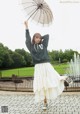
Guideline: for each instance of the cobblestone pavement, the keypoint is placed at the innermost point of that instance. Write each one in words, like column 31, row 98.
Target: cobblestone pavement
column 23, row 103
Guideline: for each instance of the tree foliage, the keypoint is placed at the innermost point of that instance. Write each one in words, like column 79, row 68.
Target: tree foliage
column 21, row 58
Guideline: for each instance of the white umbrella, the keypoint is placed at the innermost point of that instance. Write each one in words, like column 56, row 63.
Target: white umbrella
column 38, row 10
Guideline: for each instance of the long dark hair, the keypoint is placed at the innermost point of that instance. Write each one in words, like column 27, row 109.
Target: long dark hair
column 36, row 34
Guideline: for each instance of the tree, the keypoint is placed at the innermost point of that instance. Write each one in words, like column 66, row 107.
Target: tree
column 5, row 59
column 68, row 54
column 21, row 58
column 18, row 60
column 26, row 55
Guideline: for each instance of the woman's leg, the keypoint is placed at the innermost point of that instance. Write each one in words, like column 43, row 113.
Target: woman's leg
column 45, row 100
column 45, row 104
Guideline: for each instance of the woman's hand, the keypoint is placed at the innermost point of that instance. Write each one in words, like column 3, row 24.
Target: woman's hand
column 26, row 24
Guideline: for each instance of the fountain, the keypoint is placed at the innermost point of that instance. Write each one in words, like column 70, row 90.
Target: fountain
column 74, row 68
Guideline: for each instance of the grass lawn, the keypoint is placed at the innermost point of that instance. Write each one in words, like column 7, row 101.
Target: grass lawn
column 61, row 68
column 29, row 71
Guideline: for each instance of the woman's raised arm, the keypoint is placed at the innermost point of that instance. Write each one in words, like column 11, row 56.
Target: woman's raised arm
column 28, row 38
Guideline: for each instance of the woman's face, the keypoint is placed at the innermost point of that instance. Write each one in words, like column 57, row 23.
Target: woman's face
column 37, row 39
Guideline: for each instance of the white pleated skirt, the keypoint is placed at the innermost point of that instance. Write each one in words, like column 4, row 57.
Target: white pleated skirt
column 47, row 82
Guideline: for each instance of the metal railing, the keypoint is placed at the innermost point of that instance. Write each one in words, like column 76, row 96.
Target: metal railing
column 74, row 86
column 16, row 83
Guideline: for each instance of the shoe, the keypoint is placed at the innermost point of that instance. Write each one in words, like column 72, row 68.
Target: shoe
column 45, row 106
column 66, row 83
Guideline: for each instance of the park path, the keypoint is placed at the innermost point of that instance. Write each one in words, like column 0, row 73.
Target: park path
column 23, row 103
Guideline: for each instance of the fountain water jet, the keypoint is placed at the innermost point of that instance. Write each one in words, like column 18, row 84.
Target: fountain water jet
column 74, row 68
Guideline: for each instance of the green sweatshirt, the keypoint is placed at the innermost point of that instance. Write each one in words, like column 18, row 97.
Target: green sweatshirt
column 38, row 52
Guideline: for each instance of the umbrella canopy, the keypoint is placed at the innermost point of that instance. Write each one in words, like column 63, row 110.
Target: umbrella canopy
column 38, row 10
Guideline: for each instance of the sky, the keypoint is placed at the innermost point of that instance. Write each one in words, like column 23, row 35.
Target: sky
column 64, row 31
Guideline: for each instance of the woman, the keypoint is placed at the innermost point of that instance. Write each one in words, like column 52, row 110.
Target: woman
column 47, row 84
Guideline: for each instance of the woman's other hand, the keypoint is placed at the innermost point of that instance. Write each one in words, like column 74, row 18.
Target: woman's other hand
column 26, row 24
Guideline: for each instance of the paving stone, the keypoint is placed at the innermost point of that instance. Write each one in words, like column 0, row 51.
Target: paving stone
column 24, row 104
column 62, row 112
